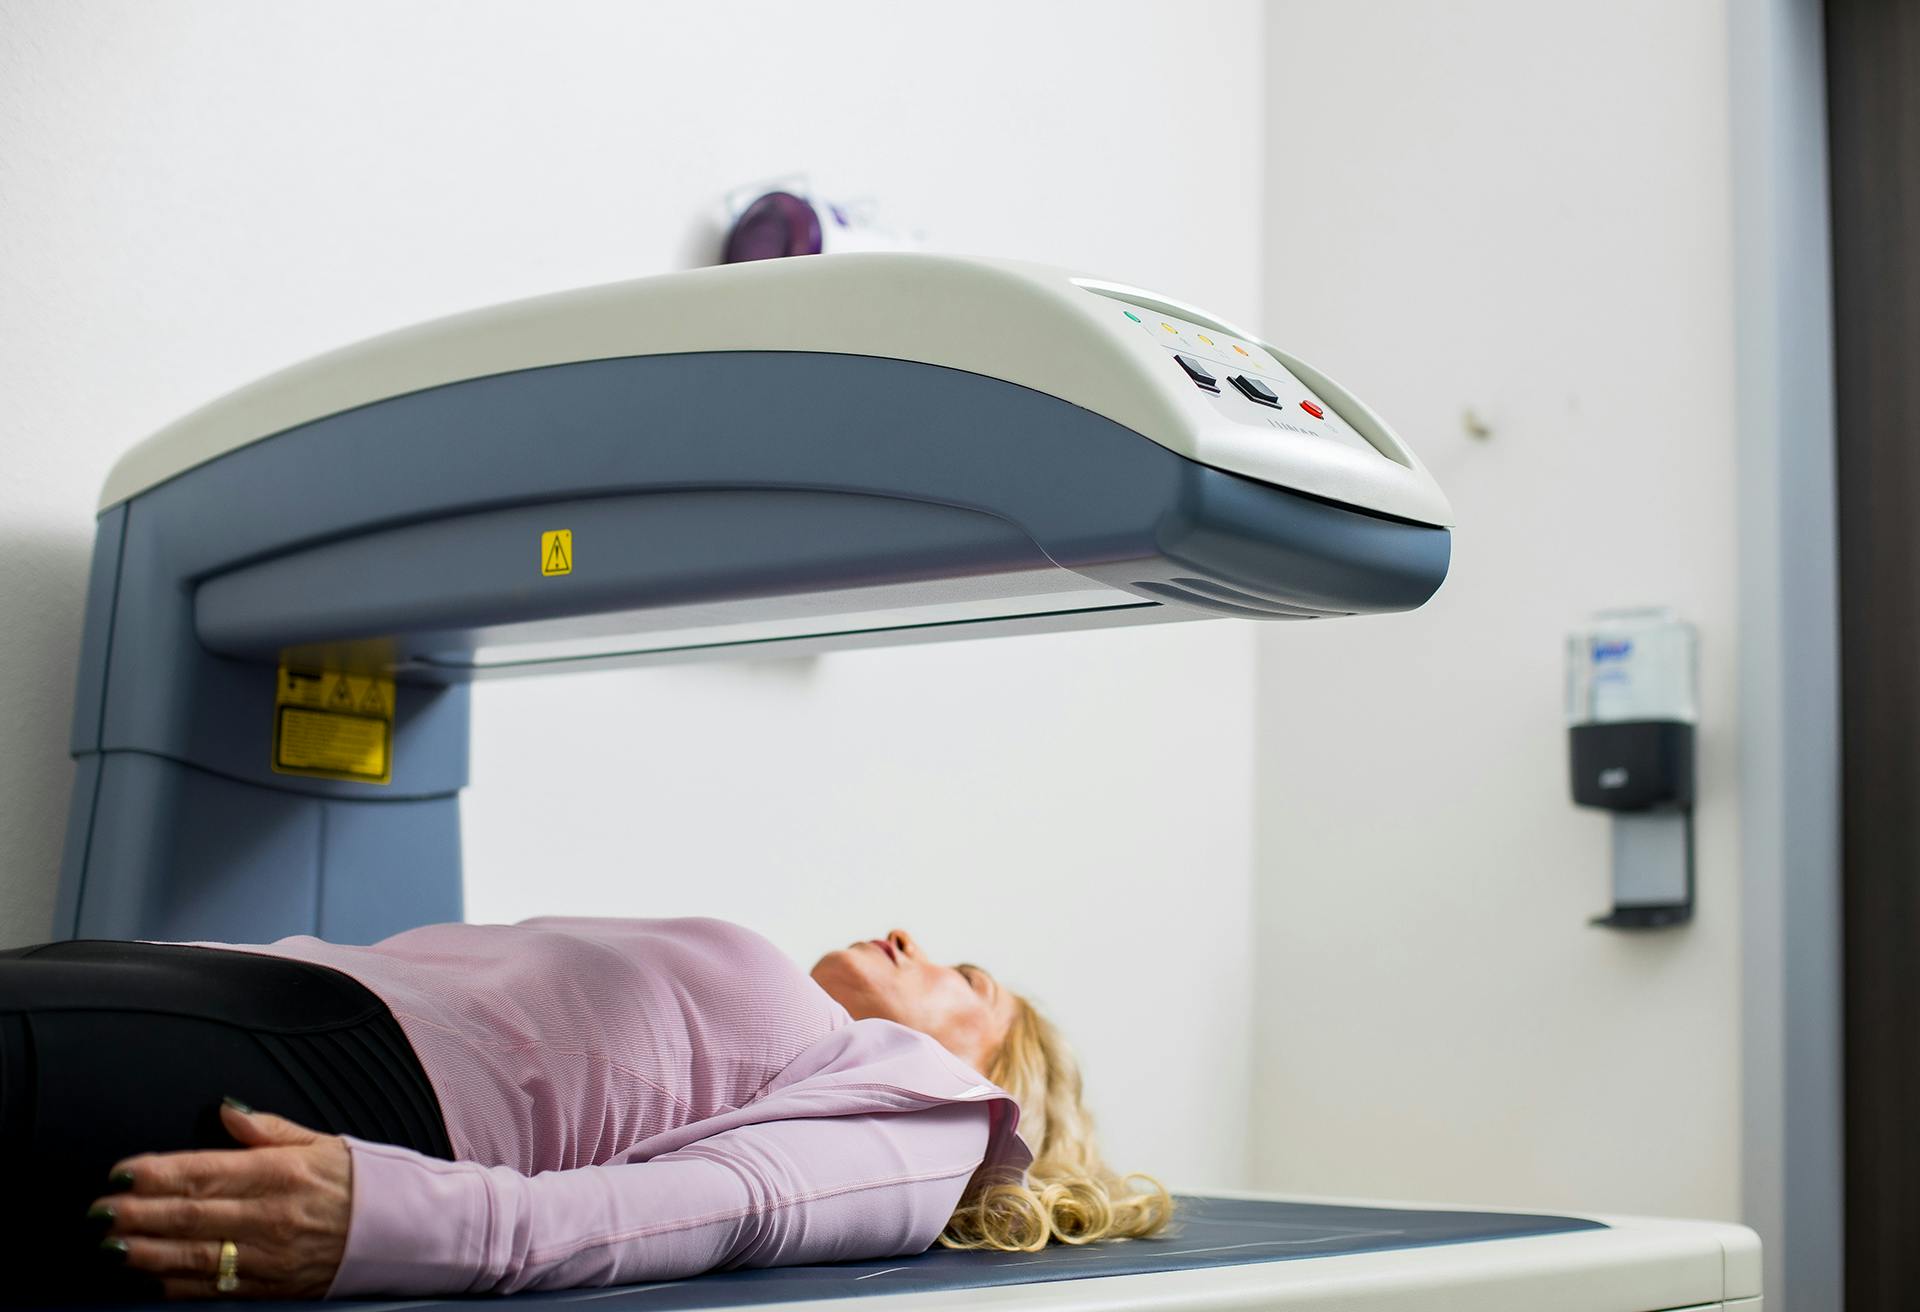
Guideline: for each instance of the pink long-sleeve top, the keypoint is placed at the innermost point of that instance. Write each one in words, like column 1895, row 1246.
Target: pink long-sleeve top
column 634, row 1100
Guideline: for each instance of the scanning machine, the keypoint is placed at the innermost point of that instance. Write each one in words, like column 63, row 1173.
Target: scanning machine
column 294, row 589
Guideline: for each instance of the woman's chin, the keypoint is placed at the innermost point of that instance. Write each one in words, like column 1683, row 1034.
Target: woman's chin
column 840, row 975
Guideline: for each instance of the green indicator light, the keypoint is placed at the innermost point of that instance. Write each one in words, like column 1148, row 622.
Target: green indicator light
column 1131, row 315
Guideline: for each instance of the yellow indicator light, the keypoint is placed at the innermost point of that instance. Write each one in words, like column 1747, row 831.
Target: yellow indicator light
column 1169, row 327
column 1203, row 337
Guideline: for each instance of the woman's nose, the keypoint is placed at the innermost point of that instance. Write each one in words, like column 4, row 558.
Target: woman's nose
column 903, row 943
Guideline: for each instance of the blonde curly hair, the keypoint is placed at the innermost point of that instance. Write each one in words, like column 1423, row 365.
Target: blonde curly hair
column 1068, row 1195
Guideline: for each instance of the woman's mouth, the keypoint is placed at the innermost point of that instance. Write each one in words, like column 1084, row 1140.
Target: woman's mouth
column 887, row 948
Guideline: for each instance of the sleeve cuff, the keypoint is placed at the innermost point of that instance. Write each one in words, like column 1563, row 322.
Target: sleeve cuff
column 418, row 1225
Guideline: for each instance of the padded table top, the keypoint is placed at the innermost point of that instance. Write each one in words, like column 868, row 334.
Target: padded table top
column 1212, row 1232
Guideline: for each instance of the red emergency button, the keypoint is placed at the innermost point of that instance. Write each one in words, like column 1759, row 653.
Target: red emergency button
column 1313, row 410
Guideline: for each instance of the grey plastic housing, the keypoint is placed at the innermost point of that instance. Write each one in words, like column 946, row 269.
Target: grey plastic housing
column 843, row 500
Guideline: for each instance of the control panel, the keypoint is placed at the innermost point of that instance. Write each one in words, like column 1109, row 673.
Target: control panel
column 1243, row 382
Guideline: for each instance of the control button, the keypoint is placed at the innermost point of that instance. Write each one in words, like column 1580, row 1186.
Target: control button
column 1255, row 390
column 1313, row 410
column 1198, row 372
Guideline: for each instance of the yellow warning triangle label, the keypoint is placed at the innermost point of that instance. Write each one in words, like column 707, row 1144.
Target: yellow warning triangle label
column 341, row 697
column 371, row 702
column 556, row 562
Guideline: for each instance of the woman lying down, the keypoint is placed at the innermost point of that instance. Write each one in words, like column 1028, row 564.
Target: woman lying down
column 558, row 1103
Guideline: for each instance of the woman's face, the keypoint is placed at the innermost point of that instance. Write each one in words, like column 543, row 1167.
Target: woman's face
column 891, row 978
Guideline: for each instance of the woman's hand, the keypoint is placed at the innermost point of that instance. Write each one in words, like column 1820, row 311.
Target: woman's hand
column 284, row 1200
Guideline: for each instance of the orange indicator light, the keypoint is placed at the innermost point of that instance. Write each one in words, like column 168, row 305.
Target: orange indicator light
column 1241, row 349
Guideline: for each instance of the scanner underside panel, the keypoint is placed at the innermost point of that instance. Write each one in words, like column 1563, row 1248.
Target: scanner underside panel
column 652, row 575
column 750, row 500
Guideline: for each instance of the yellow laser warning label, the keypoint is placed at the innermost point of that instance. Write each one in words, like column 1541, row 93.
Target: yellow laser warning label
column 556, row 552
column 333, row 725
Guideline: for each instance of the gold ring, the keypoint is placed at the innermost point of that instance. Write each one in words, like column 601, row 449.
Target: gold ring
column 228, row 1278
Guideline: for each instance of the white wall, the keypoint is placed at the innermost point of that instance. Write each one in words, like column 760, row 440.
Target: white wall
column 194, row 194
column 1522, row 210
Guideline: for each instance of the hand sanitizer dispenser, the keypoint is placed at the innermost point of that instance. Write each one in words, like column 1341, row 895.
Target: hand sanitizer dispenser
column 1631, row 710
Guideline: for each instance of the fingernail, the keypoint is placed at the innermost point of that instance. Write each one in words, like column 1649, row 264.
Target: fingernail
column 236, row 1104
column 121, row 1180
column 100, row 1212
column 114, row 1249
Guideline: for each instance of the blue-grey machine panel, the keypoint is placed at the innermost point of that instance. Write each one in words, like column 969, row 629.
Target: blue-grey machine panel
column 402, row 536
